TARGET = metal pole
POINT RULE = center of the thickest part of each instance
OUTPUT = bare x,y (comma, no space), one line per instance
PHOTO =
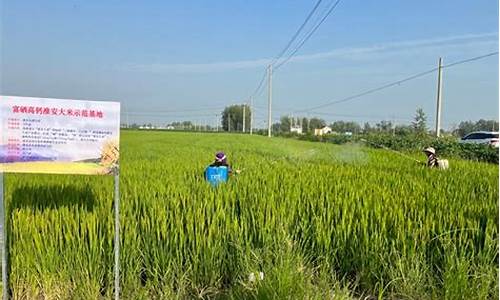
117,234
439,91
269,99
244,105
251,115
5,275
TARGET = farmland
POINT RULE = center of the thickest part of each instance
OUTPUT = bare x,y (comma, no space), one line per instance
316,219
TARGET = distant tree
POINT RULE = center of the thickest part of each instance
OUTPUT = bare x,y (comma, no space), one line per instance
367,128
232,118
305,125
342,126
403,130
187,125
384,126
420,122
486,125
466,127
316,123
285,124
275,128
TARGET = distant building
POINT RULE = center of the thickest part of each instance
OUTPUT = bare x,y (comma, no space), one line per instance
322,131
296,129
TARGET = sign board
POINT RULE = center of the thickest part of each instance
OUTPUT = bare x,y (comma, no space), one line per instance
41,135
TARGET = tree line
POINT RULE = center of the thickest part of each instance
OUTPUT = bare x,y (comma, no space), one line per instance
232,120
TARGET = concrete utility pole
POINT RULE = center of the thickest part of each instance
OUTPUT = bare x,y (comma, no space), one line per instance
126,116
244,105
228,122
439,92
217,123
270,99
251,115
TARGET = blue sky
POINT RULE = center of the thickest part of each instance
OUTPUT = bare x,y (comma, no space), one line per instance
166,60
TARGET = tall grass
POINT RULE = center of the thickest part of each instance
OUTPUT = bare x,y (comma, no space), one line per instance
320,221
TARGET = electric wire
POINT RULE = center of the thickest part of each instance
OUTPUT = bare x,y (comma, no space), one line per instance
258,90
296,33
308,36
398,82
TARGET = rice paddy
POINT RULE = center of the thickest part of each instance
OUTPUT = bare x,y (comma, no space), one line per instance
302,221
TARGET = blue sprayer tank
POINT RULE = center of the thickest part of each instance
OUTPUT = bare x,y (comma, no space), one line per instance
216,175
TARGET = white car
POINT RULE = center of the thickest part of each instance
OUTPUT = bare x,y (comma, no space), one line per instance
482,137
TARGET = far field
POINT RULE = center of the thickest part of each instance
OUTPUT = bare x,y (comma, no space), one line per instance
318,220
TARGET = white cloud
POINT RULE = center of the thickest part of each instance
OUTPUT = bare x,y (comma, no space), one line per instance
412,46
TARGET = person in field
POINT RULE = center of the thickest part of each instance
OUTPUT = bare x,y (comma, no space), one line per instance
219,170
221,161
433,161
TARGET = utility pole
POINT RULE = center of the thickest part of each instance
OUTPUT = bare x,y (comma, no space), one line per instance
270,99
244,105
439,93
217,123
126,115
251,115
228,122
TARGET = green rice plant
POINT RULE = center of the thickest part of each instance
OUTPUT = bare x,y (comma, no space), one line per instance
318,220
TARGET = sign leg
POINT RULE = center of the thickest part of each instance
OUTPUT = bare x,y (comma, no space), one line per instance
5,279
117,235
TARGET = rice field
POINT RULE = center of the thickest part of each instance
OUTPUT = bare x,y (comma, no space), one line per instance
302,221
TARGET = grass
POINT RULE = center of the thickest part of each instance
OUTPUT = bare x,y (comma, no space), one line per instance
319,220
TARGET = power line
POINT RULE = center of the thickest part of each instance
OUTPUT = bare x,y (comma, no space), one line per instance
371,90
308,36
379,117
296,33
470,59
398,82
259,89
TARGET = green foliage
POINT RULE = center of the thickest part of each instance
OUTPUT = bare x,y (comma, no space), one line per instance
315,123
343,126
445,146
320,221
467,127
232,118
285,124
420,122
